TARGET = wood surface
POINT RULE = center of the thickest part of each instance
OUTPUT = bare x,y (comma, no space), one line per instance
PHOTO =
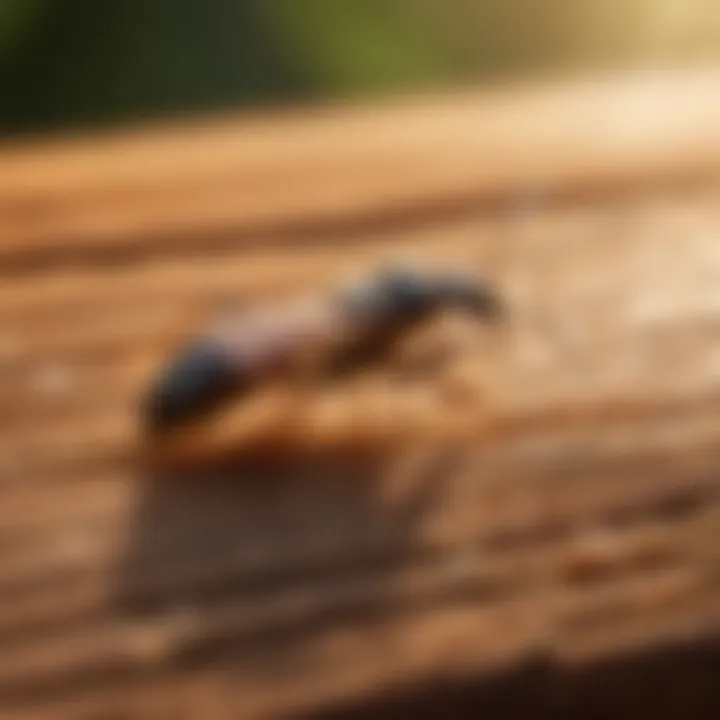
528,525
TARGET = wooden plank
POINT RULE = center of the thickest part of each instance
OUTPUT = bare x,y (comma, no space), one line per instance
549,491
127,195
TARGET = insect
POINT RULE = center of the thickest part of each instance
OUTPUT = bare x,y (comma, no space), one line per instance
345,328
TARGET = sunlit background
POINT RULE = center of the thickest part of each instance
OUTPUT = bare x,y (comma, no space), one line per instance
83,61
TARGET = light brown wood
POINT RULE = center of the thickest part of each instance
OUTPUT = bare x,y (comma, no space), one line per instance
548,494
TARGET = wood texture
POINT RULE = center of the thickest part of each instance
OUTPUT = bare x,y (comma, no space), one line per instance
545,497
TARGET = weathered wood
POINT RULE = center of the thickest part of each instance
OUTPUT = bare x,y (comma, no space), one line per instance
547,494
116,195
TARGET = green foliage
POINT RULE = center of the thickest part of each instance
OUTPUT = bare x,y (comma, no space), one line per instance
351,46
18,18
93,61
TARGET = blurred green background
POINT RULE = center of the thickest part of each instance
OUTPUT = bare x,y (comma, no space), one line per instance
70,62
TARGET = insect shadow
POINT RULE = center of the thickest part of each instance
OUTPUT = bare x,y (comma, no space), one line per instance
241,564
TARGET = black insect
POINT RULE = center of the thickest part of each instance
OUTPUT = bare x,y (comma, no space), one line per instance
346,328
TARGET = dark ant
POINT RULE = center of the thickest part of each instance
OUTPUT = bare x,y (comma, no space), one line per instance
346,328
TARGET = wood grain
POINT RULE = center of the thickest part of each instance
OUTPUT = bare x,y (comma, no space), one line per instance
546,496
